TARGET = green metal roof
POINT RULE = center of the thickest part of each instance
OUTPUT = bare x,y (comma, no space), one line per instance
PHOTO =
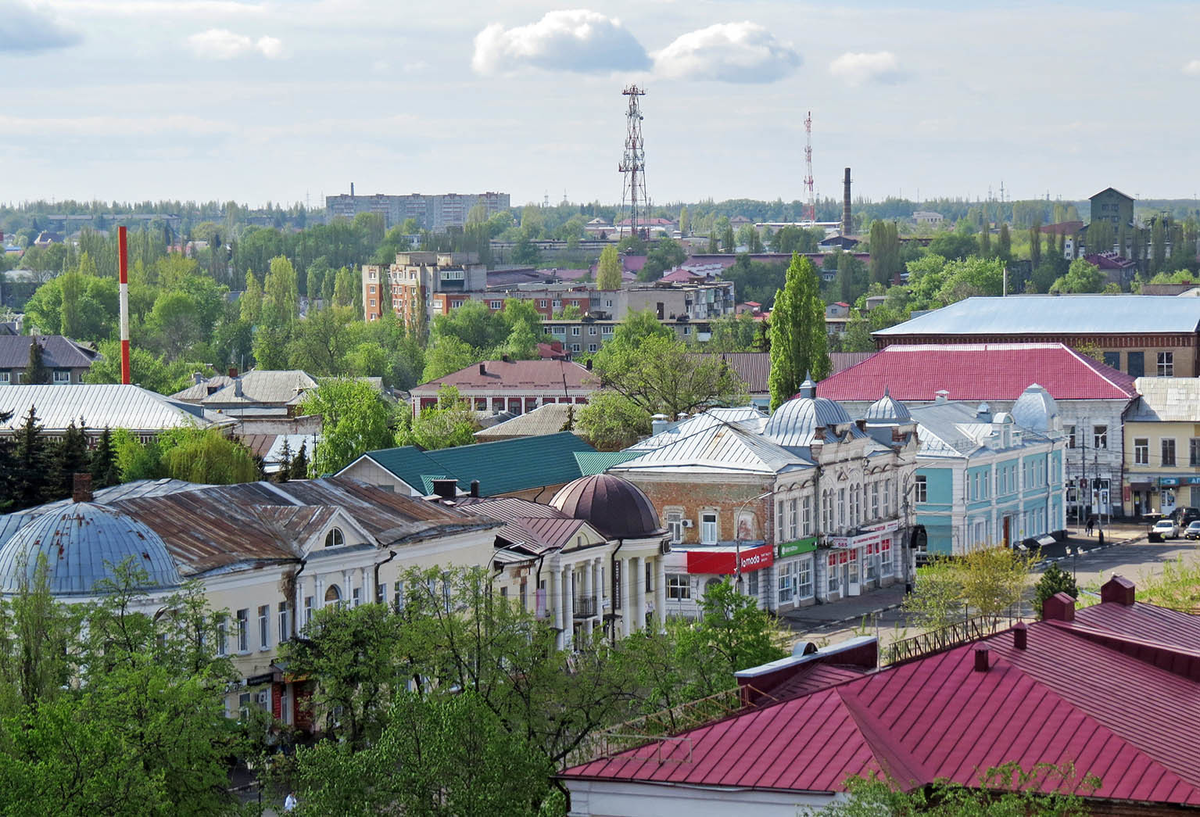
600,461
501,467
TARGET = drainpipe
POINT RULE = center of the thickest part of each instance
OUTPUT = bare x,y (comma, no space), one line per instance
392,555
292,600
612,577
818,509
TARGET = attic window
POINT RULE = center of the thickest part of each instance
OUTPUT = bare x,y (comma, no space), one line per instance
334,538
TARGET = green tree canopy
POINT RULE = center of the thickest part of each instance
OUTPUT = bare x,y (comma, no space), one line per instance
355,419
799,345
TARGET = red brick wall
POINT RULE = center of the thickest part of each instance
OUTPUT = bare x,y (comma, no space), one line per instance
726,498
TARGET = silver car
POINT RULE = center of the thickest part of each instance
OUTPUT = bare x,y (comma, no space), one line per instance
1166,528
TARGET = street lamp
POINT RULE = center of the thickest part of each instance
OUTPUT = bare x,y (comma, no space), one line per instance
737,537
1074,554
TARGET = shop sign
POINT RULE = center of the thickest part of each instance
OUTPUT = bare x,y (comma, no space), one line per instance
787,549
724,562
1192,480
1168,481
872,538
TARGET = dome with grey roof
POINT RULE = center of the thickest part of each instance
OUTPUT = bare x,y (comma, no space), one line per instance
796,422
82,544
1036,410
887,409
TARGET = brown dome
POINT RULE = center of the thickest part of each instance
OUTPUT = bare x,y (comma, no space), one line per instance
614,506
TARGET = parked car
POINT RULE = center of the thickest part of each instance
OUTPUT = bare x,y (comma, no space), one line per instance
1165,529
1193,530
1185,516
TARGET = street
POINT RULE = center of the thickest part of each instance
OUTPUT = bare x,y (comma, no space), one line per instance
1126,553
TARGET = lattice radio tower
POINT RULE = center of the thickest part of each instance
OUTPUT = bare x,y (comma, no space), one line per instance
810,198
633,163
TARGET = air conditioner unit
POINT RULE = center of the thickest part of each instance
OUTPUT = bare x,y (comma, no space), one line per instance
687,523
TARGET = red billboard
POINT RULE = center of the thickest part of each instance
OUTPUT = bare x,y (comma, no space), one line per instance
723,562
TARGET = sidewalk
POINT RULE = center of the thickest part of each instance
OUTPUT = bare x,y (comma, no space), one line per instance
846,611
1121,533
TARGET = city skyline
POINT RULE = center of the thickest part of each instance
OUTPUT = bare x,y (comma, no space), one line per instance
214,99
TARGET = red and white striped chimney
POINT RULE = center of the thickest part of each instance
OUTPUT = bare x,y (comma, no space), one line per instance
123,270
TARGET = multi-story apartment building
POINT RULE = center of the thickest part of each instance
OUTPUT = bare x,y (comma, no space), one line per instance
1162,445
434,213
422,284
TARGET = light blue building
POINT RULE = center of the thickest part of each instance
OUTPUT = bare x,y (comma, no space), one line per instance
984,480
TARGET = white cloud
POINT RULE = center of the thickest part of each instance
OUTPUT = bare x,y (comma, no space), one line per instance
207,9
858,68
222,44
729,52
29,28
1192,68
579,40
104,126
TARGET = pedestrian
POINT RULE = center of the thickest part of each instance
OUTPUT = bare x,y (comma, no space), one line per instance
290,802
1091,523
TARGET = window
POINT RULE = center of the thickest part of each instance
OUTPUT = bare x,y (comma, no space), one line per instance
264,627
679,586
1168,452
921,490
308,610
356,597
832,583
591,330
1070,436
787,582
874,500
780,510
606,330
574,331
285,624
4,378
752,588
543,303
222,637
708,528
885,558
1166,364
804,579
334,538
1099,436
591,347
1112,359
793,519
62,377
496,304
243,630
1141,451
841,506
574,347
806,516
1194,452
372,302
398,598
887,498
1136,363
675,526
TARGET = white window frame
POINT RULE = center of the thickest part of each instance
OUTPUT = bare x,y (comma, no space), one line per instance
710,530
285,630
243,630
61,377
1166,364
679,587
920,489
675,525
804,579
264,626
1100,437
786,585
1162,447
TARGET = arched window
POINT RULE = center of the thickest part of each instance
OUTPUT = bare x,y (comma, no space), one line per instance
333,594
334,538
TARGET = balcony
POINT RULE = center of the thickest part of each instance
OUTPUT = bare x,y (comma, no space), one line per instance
585,607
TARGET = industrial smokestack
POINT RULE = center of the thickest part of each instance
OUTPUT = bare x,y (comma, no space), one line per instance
847,216
351,188
123,279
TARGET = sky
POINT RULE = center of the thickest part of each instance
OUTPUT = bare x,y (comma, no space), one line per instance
258,101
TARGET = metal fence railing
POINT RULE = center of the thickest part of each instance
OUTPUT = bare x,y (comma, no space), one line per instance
944,638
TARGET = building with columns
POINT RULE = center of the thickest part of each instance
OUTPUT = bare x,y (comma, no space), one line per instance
267,555
801,506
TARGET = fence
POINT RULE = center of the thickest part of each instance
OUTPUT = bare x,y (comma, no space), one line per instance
955,635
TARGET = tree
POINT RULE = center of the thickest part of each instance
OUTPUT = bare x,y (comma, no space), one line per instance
69,457
664,255
1082,276
1055,580
105,471
608,273
251,300
205,456
611,421
31,473
1035,245
728,243
448,354
660,375
146,369
713,246
985,581
857,337
299,466
36,371
1004,244
799,345
450,423
354,420
985,241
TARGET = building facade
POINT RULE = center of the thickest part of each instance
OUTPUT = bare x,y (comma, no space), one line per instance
801,506
1162,446
432,212
66,360
421,284
515,386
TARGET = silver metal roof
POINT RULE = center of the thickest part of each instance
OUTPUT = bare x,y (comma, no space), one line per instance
99,406
1035,409
83,544
795,424
1167,400
274,387
954,430
698,422
1064,314
887,409
717,447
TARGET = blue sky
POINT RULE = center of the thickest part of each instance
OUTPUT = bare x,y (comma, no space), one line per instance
258,101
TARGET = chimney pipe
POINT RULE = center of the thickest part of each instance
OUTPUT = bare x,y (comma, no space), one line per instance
475,488
483,368
982,659
351,188
589,364
445,488
123,289
82,488
1020,632
1118,590
233,372
847,216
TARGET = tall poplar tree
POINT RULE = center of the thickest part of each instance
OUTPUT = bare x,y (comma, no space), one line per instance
1035,244
1004,244
36,372
799,344
608,272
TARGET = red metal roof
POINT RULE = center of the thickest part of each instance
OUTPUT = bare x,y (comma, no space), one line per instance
518,375
1065,698
978,371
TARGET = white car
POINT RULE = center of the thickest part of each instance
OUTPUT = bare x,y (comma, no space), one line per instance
1166,528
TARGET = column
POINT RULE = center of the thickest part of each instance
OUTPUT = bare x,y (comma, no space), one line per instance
298,608
626,618
597,586
365,578
640,596
318,593
588,581
568,606
554,599
660,592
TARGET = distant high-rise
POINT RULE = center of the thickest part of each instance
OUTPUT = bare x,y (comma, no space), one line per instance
434,213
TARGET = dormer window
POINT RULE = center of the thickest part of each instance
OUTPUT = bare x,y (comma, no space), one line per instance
334,538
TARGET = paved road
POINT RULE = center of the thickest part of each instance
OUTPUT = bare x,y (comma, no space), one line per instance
1126,553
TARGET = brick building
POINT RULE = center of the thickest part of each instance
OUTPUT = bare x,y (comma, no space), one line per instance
515,386
805,505
422,284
